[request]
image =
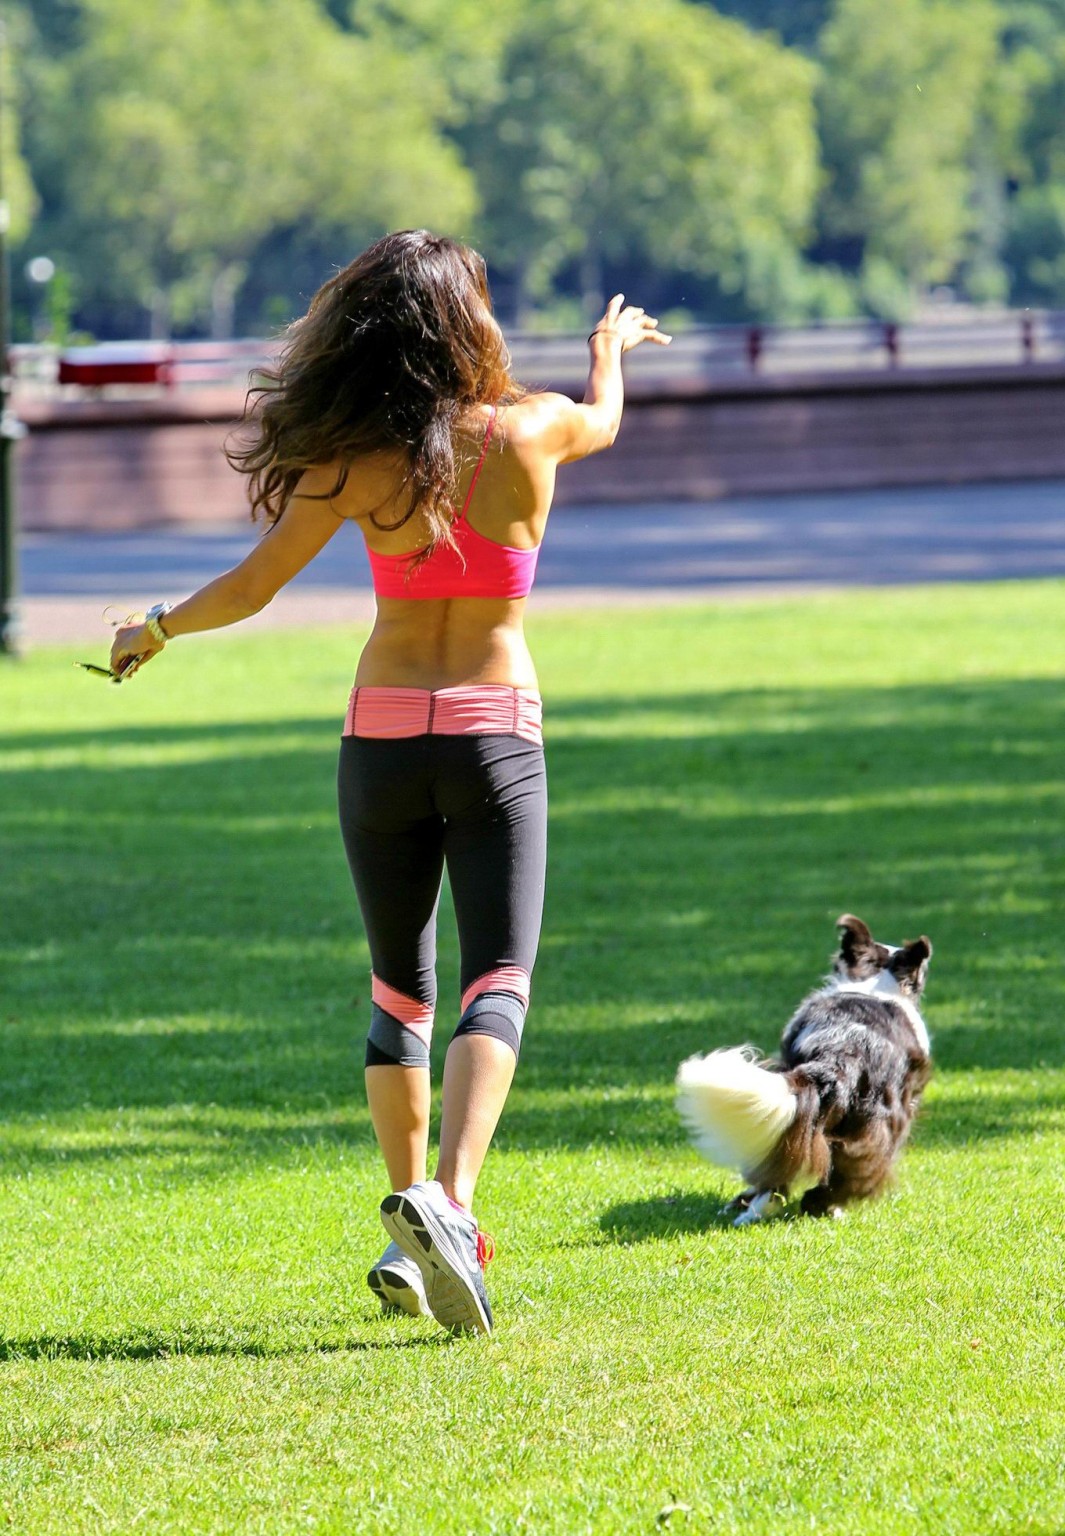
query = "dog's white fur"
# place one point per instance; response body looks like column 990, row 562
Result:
column 735, row 1110
column 883, row 984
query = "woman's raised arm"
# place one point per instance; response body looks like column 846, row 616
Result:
column 579, row 430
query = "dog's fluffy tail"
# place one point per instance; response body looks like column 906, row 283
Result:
column 737, row 1111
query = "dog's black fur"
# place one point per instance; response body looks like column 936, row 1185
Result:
column 856, row 1059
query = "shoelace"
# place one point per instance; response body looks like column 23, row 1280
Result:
column 486, row 1248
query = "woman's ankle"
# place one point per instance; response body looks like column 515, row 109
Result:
column 458, row 1191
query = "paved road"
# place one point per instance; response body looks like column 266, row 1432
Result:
column 735, row 547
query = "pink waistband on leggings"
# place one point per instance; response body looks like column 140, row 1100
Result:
column 469, row 710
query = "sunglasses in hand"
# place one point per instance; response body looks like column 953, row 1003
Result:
column 112, row 677
column 129, row 665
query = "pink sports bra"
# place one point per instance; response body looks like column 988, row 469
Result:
column 478, row 567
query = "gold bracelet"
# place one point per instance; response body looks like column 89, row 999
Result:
column 152, row 624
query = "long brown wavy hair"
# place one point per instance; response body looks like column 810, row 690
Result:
column 391, row 353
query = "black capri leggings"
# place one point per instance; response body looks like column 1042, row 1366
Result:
column 477, row 803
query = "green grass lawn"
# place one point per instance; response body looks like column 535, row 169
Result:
column 188, row 1182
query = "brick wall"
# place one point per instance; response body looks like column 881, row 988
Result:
column 140, row 463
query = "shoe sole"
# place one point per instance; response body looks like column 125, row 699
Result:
column 452, row 1299
column 394, row 1293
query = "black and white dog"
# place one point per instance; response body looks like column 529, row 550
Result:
column 828, row 1119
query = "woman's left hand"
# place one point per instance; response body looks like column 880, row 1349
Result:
column 630, row 325
column 133, row 646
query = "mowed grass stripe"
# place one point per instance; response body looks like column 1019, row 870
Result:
column 188, row 1183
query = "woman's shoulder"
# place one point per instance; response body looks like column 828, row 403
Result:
column 534, row 414
column 536, row 421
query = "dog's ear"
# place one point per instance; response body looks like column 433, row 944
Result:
column 909, row 965
column 859, row 954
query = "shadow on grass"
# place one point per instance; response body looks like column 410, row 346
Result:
column 970, row 1120
column 151, row 1344
column 667, row 1216
column 213, row 1146
column 182, row 934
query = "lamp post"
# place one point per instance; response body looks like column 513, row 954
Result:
column 40, row 270
column 10, row 428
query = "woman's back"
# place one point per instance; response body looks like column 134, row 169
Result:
column 429, row 632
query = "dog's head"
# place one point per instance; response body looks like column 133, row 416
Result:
column 860, row 957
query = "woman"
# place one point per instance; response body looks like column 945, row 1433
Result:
column 392, row 407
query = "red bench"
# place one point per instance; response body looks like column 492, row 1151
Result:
column 118, row 363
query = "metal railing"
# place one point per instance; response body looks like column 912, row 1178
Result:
column 731, row 352
column 702, row 354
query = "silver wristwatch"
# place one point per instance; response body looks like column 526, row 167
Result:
column 152, row 624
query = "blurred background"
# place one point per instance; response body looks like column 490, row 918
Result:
column 851, row 215
column 197, row 168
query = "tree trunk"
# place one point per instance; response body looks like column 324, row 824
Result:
column 592, row 283
column 224, row 292
column 159, row 311
column 522, row 307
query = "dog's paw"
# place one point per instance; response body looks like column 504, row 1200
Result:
column 767, row 1206
column 738, row 1202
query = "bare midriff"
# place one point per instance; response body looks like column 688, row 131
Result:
column 446, row 643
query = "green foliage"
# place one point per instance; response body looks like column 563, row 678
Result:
column 459, row 43
column 658, row 131
column 19, row 191
column 59, row 309
column 785, row 159
column 1030, row 103
column 900, row 101
column 57, row 22
column 1036, row 247
column 781, row 283
column 796, row 22
column 229, row 121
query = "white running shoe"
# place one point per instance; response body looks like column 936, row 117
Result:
column 397, row 1282
column 449, row 1250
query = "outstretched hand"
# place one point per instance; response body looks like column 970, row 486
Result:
column 630, row 324
column 133, row 646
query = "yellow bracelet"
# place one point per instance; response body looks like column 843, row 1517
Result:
column 152, row 623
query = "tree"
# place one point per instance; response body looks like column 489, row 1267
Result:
column 1029, row 101
column 643, row 129
column 19, row 191
column 459, row 43
column 201, row 126
column 902, row 98
column 796, row 22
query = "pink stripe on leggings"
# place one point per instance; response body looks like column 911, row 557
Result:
column 415, row 1016
column 507, row 978
column 469, row 710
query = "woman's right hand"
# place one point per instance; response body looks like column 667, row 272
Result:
column 133, row 646
column 629, row 324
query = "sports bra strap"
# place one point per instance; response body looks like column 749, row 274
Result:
column 480, row 463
